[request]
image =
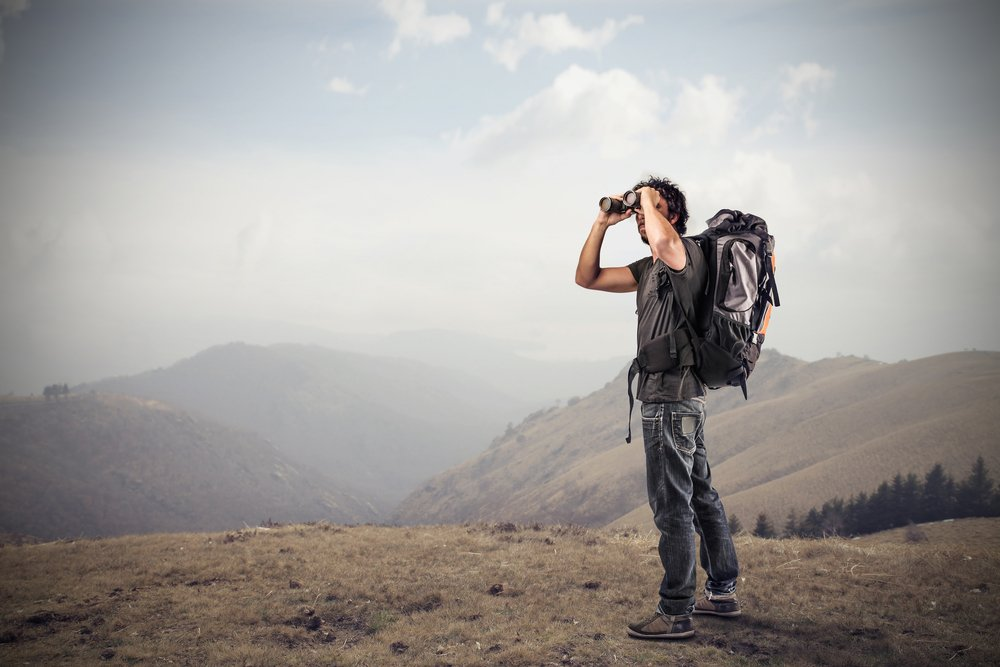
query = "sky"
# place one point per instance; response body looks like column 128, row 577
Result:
column 176, row 174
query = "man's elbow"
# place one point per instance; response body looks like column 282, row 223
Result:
column 584, row 280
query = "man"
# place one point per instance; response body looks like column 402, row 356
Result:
column 678, row 478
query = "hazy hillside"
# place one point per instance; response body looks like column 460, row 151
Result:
column 485, row 595
column 108, row 465
column 810, row 431
column 498, row 362
column 383, row 425
column 571, row 464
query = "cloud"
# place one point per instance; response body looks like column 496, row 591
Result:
column 324, row 46
column 550, row 32
column 9, row 9
column 800, row 85
column 703, row 112
column 807, row 78
column 344, row 86
column 581, row 109
column 413, row 24
column 494, row 15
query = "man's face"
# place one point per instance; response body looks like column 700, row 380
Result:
column 640, row 219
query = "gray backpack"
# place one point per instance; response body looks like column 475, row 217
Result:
column 732, row 321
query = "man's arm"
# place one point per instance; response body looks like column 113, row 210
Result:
column 589, row 272
column 664, row 241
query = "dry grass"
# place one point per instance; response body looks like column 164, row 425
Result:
column 481, row 595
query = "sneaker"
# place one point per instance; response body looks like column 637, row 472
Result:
column 718, row 605
column 663, row 626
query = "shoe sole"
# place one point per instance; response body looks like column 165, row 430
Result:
column 726, row 614
column 677, row 635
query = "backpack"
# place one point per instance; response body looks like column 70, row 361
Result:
column 724, row 341
column 732, row 322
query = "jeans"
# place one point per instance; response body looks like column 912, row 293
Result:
column 679, row 484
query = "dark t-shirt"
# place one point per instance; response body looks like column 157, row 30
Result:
column 658, row 314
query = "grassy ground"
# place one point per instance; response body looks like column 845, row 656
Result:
column 483, row 595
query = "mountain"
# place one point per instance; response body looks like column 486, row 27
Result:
column 498, row 362
column 378, row 424
column 108, row 465
column 809, row 431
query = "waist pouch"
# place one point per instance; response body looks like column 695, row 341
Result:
column 663, row 353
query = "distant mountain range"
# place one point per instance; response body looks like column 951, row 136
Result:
column 91, row 465
column 292, row 432
column 380, row 425
column 810, row 431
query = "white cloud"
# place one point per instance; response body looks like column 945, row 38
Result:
column 414, row 24
column 800, row 85
column 704, row 112
column 806, row 78
column 344, row 86
column 550, row 32
column 494, row 15
column 324, row 46
column 608, row 111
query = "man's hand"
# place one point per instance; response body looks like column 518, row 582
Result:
column 648, row 195
column 589, row 272
column 609, row 218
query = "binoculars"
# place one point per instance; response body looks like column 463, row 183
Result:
column 613, row 205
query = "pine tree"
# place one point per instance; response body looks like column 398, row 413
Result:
column 879, row 514
column 812, row 524
column 937, row 499
column 764, row 527
column 832, row 515
column 975, row 493
column 735, row 526
column 791, row 525
column 909, row 499
column 855, row 514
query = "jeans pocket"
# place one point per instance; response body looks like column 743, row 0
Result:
column 684, row 429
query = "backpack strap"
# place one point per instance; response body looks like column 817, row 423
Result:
column 686, row 302
column 773, row 296
column 633, row 370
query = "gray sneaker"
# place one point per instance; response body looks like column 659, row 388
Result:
column 718, row 605
column 663, row 626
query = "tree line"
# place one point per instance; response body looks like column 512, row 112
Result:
column 899, row 502
column 55, row 391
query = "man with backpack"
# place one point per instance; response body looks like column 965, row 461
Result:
column 678, row 477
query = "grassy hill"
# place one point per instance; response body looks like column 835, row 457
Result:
column 378, row 424
column 810, row 431
column 484, row 595
column 109, row 465
column 847, row 433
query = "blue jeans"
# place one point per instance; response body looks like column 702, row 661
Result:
column 679, row 484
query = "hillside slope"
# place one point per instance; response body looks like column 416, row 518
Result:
column 845, row 434
column 571, row 464
column 810, row 431
column 111, row 465
column 381, row 425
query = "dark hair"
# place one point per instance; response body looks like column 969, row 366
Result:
column 676, row 201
